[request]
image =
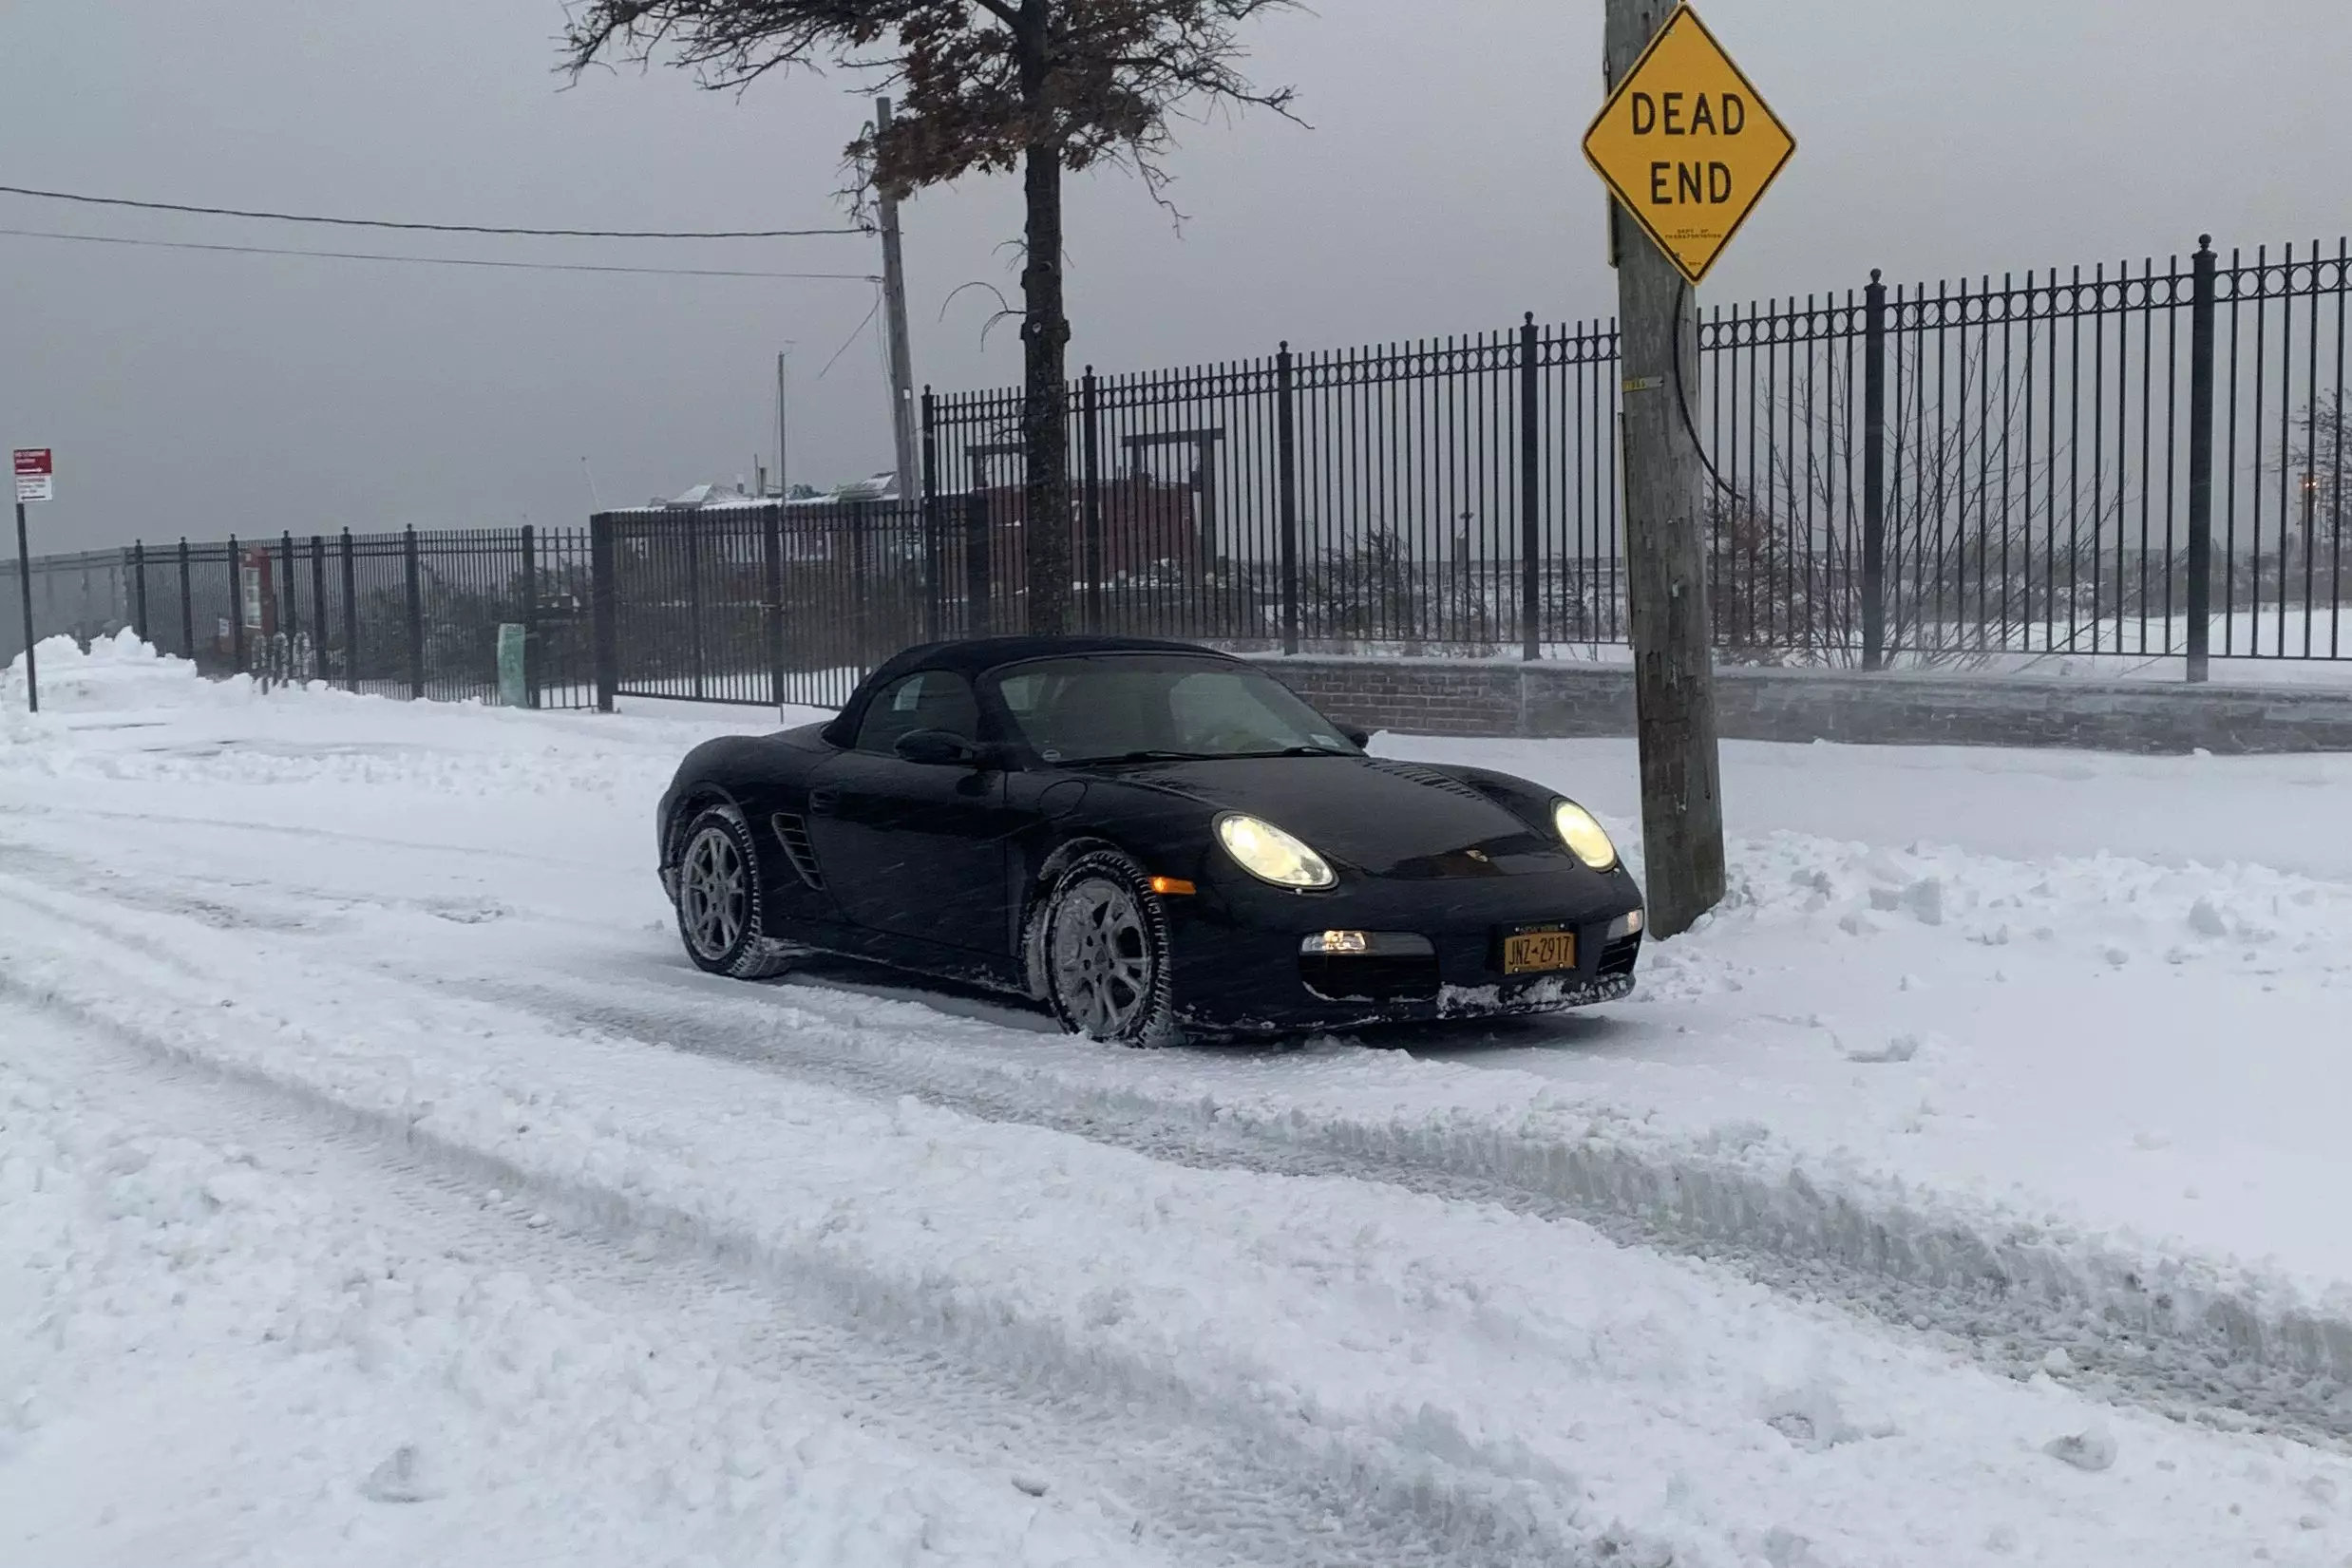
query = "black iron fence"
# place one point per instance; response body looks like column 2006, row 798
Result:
column 763, row 603
column 78, row 595
column 2146, row 461
column 409, row 614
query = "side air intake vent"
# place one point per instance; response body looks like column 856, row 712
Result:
column 792, row 832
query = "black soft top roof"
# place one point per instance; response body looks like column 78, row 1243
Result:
column 975, row 656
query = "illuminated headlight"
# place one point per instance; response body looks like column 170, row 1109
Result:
column 1271, row 854
column 1585, row 838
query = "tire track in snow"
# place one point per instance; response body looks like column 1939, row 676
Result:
column 2188, row 1348
column 2169, row 1335
column 424, row 1213
column 300, row 830
column 1230, row 1481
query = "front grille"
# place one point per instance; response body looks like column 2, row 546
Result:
column 1617, row 957
column 1370, row 977
column 792, row 832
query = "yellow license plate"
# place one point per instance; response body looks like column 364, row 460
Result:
column 1533, row 952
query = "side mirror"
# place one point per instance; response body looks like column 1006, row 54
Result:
column 938, row 748
column 1356, row 737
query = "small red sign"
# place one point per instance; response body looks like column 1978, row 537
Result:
column 34, row 462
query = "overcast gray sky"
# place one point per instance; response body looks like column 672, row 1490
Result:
column 1439, row 190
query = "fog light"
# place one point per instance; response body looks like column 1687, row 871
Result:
column 1626, row 924
column 1366, row 944
column 1337, row 941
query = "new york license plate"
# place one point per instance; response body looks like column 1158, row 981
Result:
column 1535, row 952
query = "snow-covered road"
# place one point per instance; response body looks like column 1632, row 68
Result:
column 356, row 1099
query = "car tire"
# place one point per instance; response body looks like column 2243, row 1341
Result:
column 721, row 915
column 1100, row 950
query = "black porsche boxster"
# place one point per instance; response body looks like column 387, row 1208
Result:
column 1155, row 840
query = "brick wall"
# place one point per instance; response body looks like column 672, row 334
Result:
column 1420, row 698
column 1497, row 697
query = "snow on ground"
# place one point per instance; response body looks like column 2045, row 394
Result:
column 354, row 1097
column 221, row 1341
column 2109, row 988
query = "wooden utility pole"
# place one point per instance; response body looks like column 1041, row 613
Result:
column 901, row 358
column 1665, row 549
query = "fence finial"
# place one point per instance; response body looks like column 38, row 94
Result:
column 2205, row 242
column 1874, row 274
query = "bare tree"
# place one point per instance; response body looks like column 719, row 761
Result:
column 1995, row 545
column 2321, row 457
column 1046, row 86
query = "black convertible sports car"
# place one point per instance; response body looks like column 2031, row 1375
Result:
column 1154, row 839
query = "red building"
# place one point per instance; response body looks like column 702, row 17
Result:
column 1151, row 529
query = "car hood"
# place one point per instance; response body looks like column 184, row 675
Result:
column 1390, row 819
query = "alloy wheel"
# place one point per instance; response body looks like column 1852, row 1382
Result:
column 711, row 893
column 1101, row 958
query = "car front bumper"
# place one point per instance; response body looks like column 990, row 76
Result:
column 1239, row 968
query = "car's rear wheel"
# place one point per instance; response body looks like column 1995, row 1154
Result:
column 720, row 914
column 1103, row 950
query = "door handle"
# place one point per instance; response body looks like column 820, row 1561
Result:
column 823, row 802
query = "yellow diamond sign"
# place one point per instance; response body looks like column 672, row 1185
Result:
column 1687, row 144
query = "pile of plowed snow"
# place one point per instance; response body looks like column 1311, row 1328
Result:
column 113, row 676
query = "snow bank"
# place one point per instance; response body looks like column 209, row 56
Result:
column 117, row 674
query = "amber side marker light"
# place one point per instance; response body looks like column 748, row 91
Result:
column 1172, row 887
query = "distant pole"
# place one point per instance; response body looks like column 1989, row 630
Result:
column 24, row 590
column 1666, row 551
column 784, row 470
column 893, row 307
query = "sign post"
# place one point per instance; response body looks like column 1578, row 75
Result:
column 1686, row 147
column 35, row 481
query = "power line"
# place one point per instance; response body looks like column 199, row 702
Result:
column 426, row 228
column 433, row 261
column 855, row 333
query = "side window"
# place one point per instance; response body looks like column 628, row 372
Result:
column 934, row 699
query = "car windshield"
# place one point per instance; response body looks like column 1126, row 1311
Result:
column 1147, row 706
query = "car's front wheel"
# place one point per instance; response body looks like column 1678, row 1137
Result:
column 720, row 915
column 1102, row 951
